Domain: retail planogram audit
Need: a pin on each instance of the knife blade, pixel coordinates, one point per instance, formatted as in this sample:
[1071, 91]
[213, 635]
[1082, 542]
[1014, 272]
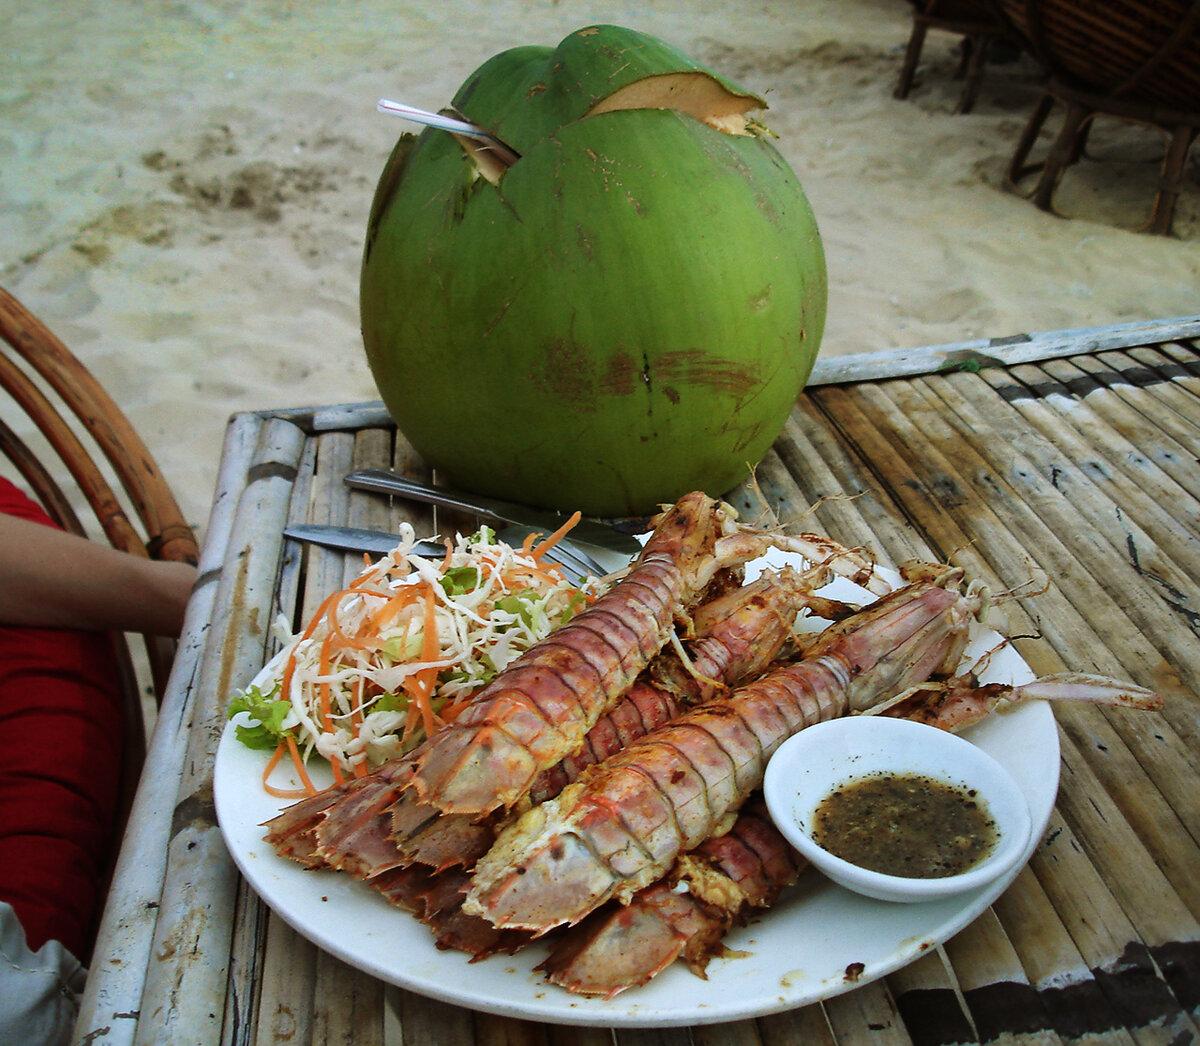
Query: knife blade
[379, 542]
[356, 539]
[584, 533]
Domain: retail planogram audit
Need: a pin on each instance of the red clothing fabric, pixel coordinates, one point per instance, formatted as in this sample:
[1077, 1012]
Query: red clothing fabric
[60, 760]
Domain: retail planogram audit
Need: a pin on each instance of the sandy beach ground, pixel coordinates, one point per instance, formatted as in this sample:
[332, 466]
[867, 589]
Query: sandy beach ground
[184, 186]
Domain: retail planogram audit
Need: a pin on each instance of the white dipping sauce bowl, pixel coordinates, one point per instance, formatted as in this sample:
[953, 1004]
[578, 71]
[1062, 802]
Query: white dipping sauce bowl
[819, 759]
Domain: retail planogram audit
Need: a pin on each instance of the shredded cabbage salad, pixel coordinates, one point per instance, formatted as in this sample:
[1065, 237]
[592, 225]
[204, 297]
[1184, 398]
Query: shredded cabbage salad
[401, 651]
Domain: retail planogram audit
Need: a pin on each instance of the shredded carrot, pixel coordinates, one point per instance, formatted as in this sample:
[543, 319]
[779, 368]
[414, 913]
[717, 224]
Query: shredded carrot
[356, 719]
[558, 535]
[331, 600]
[452, 709]
[298, 762]
[289, 667]
[335, 629]
[323, 686]
[389, 611]
[552, 572]
[420, 685]
[281, 793]
[356, 713]
[429, 652]
[323, 667]
[412, 688]
[274, 760]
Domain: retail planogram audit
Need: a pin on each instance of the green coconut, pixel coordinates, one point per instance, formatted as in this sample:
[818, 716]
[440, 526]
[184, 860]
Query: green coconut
[625, 313]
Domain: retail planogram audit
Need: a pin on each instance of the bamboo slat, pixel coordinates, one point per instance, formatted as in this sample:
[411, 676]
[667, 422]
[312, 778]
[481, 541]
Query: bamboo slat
[867, 1015]
[651, 1037]
[898, 446]
[1182, 357]
[996, 352]
[1077, 511]
[131, 912]
[736, 1033]
[347, 1005]
[1099, 929]
[1150, 367]
[1137, 414]
[1074, 1002]
[808, 1024]
[856, 509]
[285, 1004]
[923, 451]
[293, 566]
[427, 1020]
[925, 422]
[930, 1001]
[371, 447]
[328, 569]
[1048, 479]
[187, 997]
[994, 984]
[1138, 487]
[565, 1035]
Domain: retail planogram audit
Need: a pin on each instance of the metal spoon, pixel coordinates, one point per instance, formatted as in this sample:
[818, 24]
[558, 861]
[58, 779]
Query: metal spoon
[502, 151]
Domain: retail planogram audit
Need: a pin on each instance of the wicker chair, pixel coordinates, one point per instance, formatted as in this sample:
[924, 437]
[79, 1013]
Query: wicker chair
[1136, 60]
[73, 412]
[974, 20]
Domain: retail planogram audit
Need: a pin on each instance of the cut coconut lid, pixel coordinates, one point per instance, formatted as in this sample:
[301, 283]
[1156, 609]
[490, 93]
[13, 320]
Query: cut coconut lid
[695, 93]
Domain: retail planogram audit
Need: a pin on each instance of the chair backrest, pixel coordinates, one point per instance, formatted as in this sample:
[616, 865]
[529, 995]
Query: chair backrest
[1141, 51]
[108, 466]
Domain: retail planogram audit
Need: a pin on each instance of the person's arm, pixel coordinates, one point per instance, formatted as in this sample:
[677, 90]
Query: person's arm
[50, 578]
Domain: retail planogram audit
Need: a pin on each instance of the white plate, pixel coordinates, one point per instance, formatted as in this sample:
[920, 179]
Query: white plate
[797, 953]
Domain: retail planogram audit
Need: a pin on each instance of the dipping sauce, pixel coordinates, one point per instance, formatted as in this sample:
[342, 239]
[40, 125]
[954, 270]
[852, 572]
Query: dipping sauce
[905, 824]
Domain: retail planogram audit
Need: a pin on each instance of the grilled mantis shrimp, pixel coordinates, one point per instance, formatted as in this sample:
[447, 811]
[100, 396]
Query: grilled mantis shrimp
[684, 916]
[737, 634]
[621, 826]
[537, 711]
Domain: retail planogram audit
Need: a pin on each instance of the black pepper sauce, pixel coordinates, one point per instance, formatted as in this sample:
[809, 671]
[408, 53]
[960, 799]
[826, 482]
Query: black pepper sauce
[905, 824]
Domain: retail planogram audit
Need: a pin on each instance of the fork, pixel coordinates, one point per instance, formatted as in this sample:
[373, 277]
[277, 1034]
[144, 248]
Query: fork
[568, 555]
[609, 549]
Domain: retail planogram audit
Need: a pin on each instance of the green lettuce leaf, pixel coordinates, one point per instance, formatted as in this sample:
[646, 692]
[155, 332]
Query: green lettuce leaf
[267, 710]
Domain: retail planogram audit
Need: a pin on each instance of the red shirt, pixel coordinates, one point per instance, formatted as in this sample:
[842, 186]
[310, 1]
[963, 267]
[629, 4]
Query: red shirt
[60, 760]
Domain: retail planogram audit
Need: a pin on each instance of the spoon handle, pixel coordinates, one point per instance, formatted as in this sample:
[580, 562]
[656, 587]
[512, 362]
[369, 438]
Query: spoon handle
[451, 124]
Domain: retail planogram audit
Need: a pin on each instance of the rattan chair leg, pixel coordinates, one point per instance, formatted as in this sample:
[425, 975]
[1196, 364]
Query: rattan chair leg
[1017, 168]
[975, 49]
[1171, 179]
[976, 38]
[912, 55]
[1063, 153]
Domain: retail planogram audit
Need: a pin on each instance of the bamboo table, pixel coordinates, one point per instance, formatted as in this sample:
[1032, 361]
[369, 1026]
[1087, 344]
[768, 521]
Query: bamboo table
[1073, 456]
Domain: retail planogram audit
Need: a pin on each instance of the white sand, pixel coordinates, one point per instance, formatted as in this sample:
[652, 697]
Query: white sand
[184, 186]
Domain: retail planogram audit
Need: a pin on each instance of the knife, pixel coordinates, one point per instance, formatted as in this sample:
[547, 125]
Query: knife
[380, 542]
[585, 533]
[356, 539]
